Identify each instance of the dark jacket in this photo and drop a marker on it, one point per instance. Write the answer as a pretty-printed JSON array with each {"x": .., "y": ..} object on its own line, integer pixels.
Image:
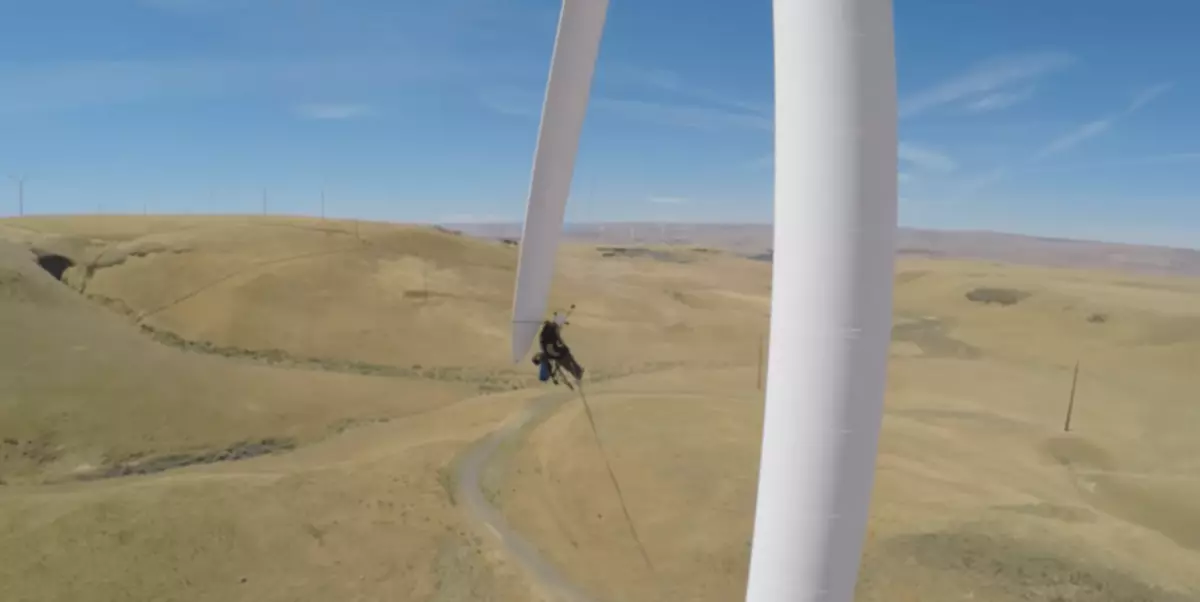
[{"x": 549, "y": 338}]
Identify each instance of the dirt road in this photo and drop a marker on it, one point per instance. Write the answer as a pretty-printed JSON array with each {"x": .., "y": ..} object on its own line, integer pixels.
[{"x": 552, "y": 585}]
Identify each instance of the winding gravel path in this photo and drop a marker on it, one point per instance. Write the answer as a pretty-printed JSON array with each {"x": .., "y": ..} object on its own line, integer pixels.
[{"x": 469, "y": 491}]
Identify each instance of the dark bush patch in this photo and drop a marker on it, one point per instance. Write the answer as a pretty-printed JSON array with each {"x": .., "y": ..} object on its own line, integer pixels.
[
  {"x": 634, "y": 252},
  {"x": 1098, "y": 318},
  {"x": 932, "y": 336},
  {"x": 40, "y": 450},
  {"x": 239, "y": 451},
  {"x": 486, "y": 381},
  {"x": 1002, "y": 296},
  {"x": 426, "y": 295},
  {"x": 1000, "y": 567}
]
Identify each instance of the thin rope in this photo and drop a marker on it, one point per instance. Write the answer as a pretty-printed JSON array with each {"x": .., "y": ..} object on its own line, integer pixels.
[{"x": 611, "y": 475}]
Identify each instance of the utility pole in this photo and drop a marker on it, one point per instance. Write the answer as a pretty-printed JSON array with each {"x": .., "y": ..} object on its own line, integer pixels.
[
  {"x": 1071, "y": 400},
  {"x": 322, "y": 203},
  {"x": 264, "y": 201}
]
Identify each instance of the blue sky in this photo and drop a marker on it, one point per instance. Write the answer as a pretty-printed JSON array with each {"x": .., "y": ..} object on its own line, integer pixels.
[{"x": 1051, "y": 118}]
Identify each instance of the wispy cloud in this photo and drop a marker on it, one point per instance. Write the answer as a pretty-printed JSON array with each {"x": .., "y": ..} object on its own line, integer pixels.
[
  {"x": 81, "y": 83},
  {"x": 297, "y": 50},
  {"x": 987, "y": 78},
  {"x": 667, "y": 200},
  {"x": 638, "y": 94},
  {"x": 979, "y": 182},
  {"x": 1072, "y": 138},
  {"x": 373, "y": 24},
  {"x": 510, "y": 100},
  {"x": 1000, "y": 100},
  {"x": 1078, "y": 135},
  {"x": 683, "y": 115},
  {"x": 1146, "y": 96},
  {"x": 41, "y": 87},
  {"x": 332, "y": 111},
  {"x": 1161, "y": 159},
  {"x": 526, "y": 102},
  {"x": 925, "y": 158},
  {"x": 986, "y": 179},
  {"x": 1097, "y": 127},
  {"x": 672, "y": 82},
  {"x": 667, "y": 98}
]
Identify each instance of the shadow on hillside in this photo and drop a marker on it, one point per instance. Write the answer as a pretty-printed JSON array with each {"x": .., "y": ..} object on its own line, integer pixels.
[
  {"x": 238, "y": 451},
  {"x": 1002, "y": 568}
]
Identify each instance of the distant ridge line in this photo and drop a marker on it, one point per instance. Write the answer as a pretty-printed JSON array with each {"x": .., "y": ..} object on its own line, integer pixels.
[{"x": 755, "y": 239}]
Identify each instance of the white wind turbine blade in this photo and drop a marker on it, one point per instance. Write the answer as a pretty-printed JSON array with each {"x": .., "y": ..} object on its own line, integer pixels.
[
  {"x": 576, "y": 47},
  {"x": 835, "y": 220}
]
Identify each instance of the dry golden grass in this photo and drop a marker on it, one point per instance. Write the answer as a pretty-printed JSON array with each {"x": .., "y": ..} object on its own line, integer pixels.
[
  {"x": 300, "y": 333},
  {"x": 83, "y": 390},
  {"x": 358, "y": 511},
  {"x": 363, "y": 516},
  {"x": 378, "y": 352},
  {"x": 979, "y": 493}
]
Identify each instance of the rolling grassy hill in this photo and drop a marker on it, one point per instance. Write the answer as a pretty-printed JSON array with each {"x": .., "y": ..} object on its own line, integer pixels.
[
  {"x": 979, "y": 491},
  {"x": 249, "y": 408}
]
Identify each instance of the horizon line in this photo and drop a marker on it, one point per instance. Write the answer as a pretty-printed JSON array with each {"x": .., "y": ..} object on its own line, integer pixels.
[{"x": 520, "y": 223}]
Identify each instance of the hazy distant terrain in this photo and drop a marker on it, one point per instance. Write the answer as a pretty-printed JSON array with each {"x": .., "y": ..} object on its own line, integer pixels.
[{"x": 755, "y": 239}]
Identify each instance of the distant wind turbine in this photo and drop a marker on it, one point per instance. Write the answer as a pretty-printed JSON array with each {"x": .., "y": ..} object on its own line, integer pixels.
[{"x": 20, "y": 182}]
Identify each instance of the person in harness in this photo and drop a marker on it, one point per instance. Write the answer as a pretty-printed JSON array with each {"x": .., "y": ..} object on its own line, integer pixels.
[{"x": 555, "y": 354}]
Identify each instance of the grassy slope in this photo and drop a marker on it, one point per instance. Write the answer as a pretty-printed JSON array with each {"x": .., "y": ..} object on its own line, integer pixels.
[
  {"x": 247, "y": 283},
  {"x": 365, "y": 513},
  {"x": 978, "y": 490},
  {"x": 82, "y": 388},
  {"x": 971, "y": 466}
]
